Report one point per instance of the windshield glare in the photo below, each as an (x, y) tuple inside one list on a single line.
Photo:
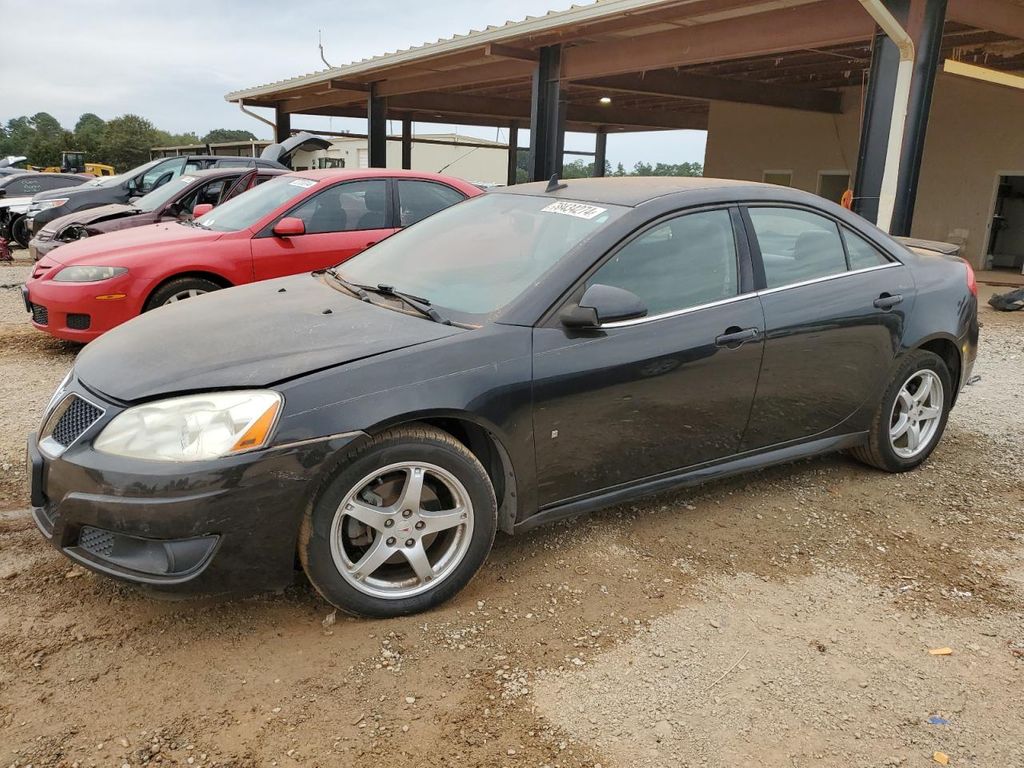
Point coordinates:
[(249, 207), (478, 255)]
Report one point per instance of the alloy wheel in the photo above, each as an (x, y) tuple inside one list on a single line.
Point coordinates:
[(916, 414), (402, 530), (191, 293)]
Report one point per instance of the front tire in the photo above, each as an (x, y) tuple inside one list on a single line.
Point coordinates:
[(403, 526), (20, 231), (179, 289), (912, 416)]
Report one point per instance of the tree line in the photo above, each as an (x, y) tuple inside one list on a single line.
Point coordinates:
[(123, 142), (581, 169)]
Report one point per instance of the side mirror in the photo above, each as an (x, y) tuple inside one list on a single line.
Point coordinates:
[(201, 210), (289, 226), (602, 304)]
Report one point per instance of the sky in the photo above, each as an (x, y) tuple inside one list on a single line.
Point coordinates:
[(173, 67)]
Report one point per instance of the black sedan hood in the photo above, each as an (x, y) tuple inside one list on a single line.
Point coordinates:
[(251, 336)]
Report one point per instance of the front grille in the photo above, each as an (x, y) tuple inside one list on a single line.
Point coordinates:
[(79, 322), (78, 415), (40, 315), (96, 541)]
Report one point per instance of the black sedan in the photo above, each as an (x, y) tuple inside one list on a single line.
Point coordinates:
[(521, 357)]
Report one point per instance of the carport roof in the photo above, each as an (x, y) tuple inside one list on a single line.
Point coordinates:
[(660, 61)]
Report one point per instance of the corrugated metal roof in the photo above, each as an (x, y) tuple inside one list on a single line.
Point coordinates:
[(530, 25)]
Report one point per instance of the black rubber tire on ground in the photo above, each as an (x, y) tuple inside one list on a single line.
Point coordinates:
[(878, 451), (180, 284), (412, 442), (20, 231)]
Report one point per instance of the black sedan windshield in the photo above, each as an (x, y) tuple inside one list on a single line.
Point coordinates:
[(477, 256)]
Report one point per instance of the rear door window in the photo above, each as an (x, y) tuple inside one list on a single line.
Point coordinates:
[(863, 254), (419, 199), (797, 245)]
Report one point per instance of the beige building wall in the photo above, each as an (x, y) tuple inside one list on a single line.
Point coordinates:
[(975, 132), (474, 164)]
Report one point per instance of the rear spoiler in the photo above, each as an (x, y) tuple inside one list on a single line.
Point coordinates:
[(929, 246)]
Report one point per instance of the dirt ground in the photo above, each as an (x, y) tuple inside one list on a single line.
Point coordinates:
[(779, 619)]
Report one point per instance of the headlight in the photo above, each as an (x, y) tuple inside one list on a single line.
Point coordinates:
[(193, 428), (71, 233), (88, 274), (45, 205)]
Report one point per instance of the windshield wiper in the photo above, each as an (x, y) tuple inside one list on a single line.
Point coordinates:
[(356, 290), (418, 303)]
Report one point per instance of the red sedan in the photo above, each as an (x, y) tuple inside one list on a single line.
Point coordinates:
[(294, 223)]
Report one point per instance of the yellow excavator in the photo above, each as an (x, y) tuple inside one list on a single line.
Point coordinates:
[(74, 162)]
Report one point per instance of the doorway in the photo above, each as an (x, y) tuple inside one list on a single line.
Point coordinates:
[(832, 184), (1006, 243)]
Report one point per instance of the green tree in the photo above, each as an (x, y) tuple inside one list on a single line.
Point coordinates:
[(127, 141), (619, 170), (165, 139), (227, 134), (89, 132)]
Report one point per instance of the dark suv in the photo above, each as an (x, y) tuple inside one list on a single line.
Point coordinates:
[(47, 206)]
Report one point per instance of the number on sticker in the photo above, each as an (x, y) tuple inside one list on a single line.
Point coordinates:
[(579, 210)]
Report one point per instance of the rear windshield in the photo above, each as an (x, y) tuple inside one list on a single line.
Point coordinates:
[(252, 206)]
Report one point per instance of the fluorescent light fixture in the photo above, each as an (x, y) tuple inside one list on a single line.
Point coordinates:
[(975, 72), (606, 99)]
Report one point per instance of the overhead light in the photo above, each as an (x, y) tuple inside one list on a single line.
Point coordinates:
[(606, 99)]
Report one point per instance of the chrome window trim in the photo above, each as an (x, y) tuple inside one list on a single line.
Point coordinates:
[(742, 296), (50, 447), (846, 273), (677, 312)]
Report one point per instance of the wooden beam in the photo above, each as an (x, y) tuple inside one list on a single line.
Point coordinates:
[(499, 51), (994, 15), (457, 106), (685, 85), (317, 100), (832, 22), (348, 85), (485, 73)]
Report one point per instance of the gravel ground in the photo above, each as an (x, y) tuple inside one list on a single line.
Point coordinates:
[(782, 619)]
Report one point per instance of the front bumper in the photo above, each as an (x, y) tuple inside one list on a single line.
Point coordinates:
[(75, 311), (229, 525)]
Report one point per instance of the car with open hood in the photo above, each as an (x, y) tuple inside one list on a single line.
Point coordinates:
[(174, 201), (296, 222), (520, 358), (142, 180)]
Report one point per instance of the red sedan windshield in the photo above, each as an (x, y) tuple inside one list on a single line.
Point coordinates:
[(249, 207)]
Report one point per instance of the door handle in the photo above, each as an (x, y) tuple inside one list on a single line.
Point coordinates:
[(887, 301), (735, 336)]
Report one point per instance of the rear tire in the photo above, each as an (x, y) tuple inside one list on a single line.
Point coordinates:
[(912, 415), (179, 289), (403, 526)]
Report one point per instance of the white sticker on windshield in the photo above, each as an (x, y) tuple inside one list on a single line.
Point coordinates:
[(188, 179), (579, 210), (304, 183)]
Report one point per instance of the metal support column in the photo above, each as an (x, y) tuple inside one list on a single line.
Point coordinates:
[(407, 143), (377, 129), (547, 116), (600, 147), (928, 41), (282, 124), (513, 154), (929, 18)]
